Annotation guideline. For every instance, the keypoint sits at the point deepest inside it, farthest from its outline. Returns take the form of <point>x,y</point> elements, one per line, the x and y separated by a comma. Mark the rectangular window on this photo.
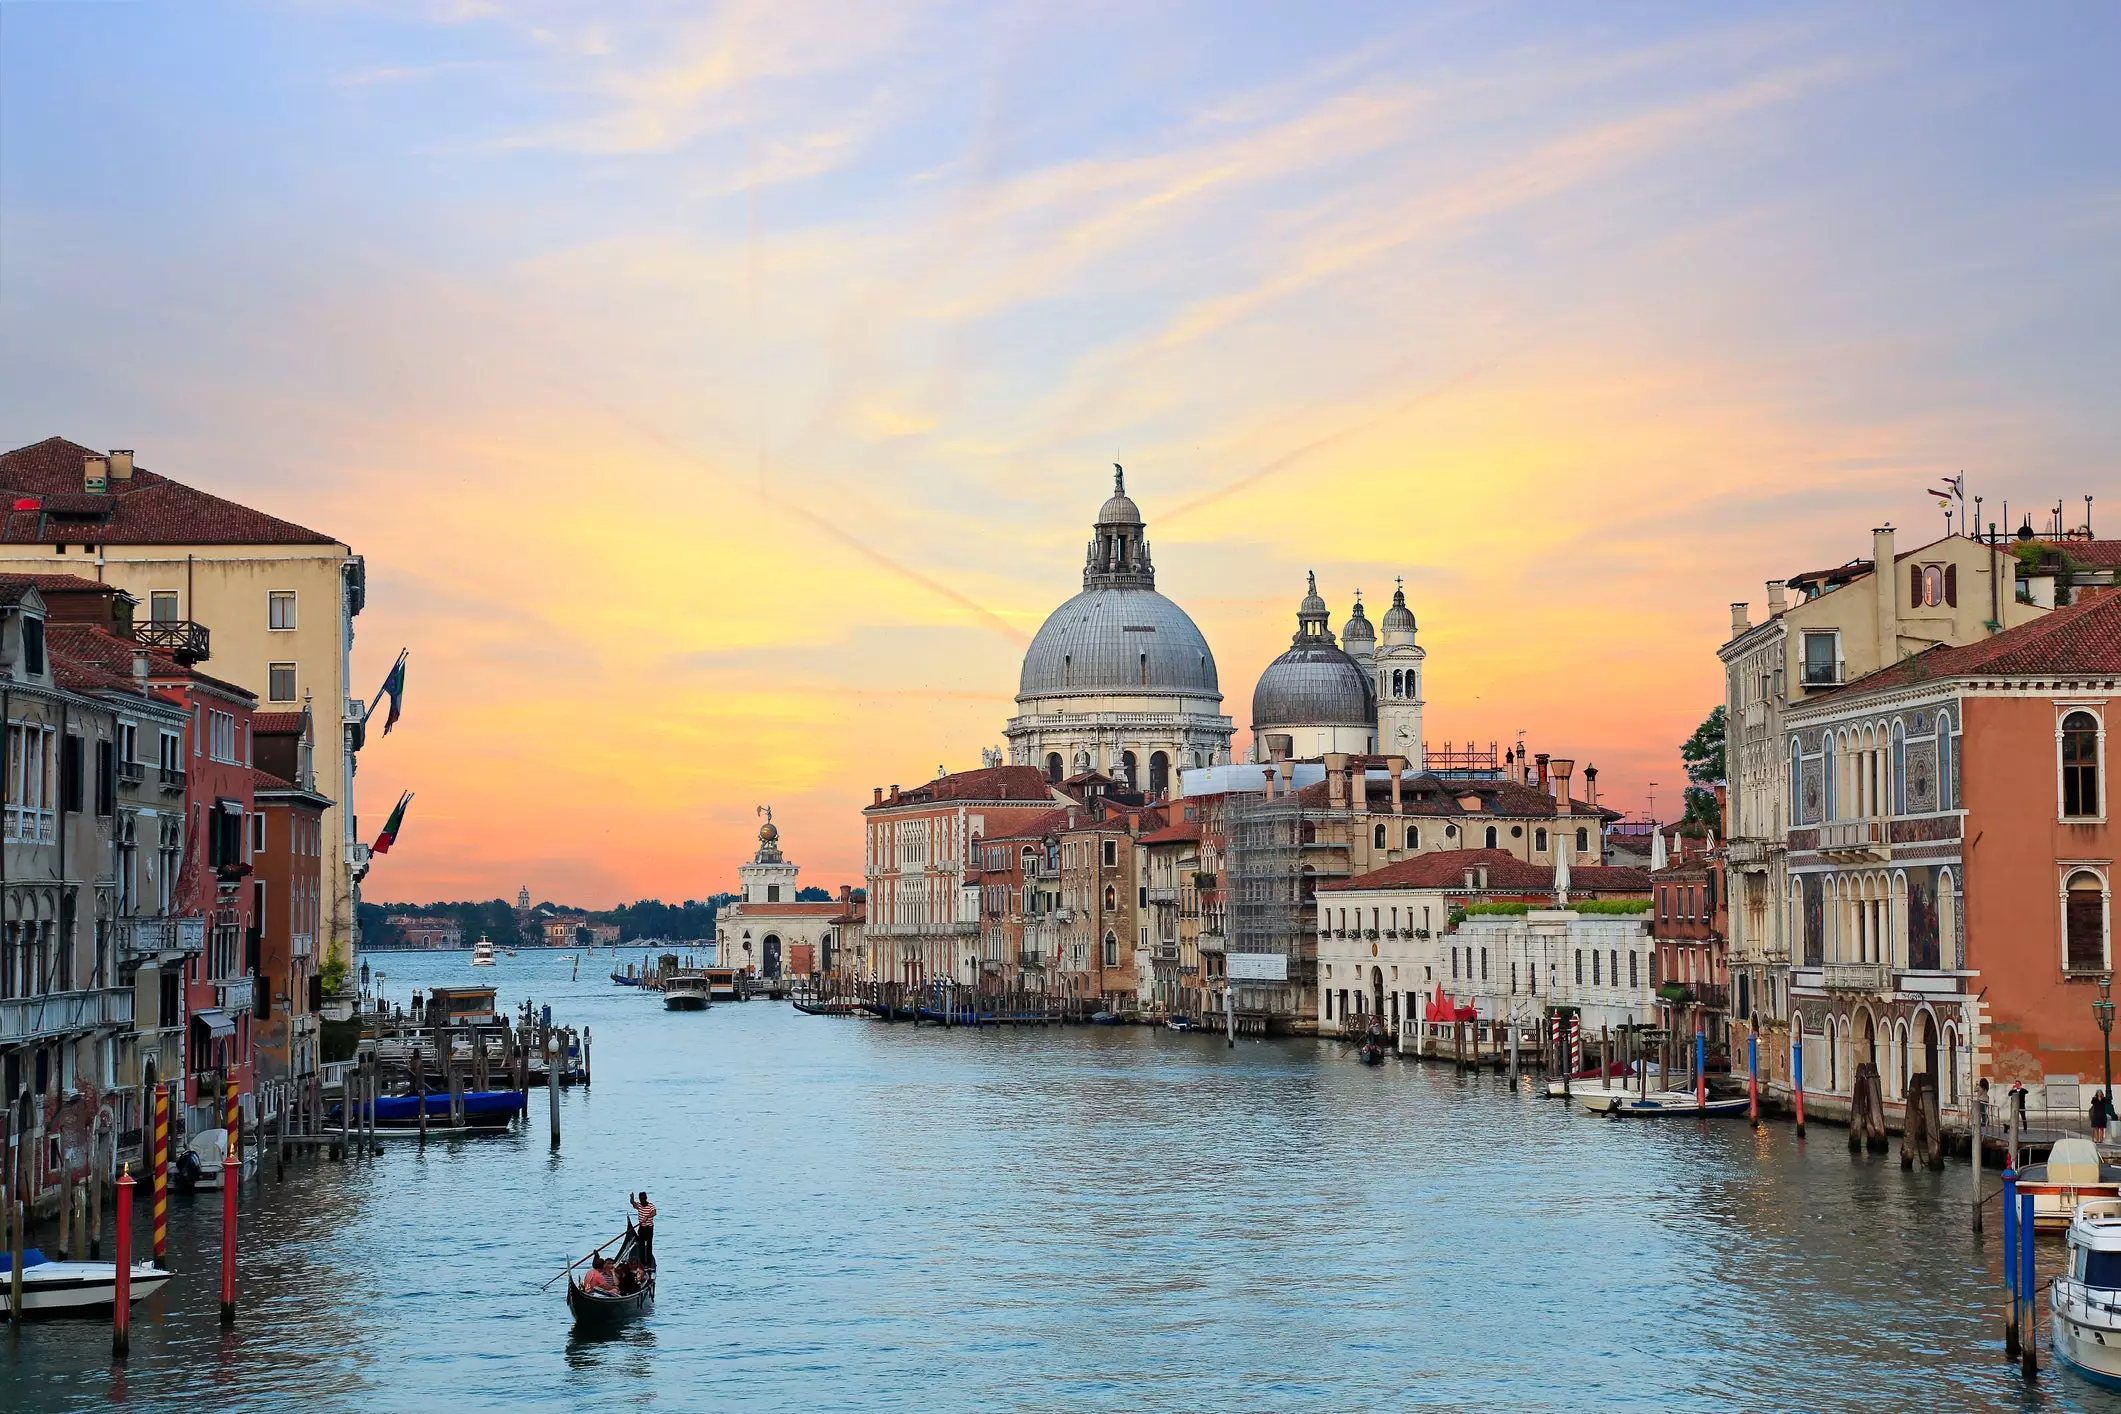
<point>1579,967</point>
<point>106,778</point>
<point>1822,659</point>
<point>280,610</point>
<point>70,773</point>
<point>162,606</point>
<point>280,682</point>
<point>1594,967</point>
<point>257,834</point>
<point>1111,853</point>
<point>33,646</point>
<point>1634,980</point>
<point>221,729</point>
<point>773,893</point>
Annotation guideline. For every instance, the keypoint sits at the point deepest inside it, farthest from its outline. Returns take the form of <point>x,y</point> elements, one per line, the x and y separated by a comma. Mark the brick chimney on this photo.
<point>1723,810</point>
<point>894,793</point>
<point>1590,786</point>
<point>1397,766</point>
<point>1540,763</point>
<point>877,795</point>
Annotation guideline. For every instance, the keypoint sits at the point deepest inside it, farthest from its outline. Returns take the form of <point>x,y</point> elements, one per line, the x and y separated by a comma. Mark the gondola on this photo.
<point>596,1311</point>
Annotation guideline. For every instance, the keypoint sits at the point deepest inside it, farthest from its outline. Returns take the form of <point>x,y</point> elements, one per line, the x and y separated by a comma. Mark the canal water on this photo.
<point>865,1217</point>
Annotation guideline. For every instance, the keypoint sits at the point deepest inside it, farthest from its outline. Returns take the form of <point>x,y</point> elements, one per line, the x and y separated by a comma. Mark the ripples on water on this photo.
<point>862,1217</point>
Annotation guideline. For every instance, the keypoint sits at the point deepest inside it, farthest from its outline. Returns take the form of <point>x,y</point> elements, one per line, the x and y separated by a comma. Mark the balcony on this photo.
<point>1164,895</point>
<point>235,994</point>
<point>1741,853</point>
<point>1853,976</point>
<point>173,779</point>
<point>29,825</point>
<point>1852,837</point>
<point>131,773</point>
<point>1825,674</point>
<point>142,938</point>
<point>24,1019</point>
<point>182,639</point>
<point>1031,959</point>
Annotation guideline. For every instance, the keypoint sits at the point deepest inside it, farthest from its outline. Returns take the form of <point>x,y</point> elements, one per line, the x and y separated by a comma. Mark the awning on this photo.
<point>216,1022</point>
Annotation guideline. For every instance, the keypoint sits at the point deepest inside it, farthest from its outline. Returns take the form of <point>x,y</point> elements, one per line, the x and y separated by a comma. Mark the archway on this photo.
<point>1159,773</point>
<point>1870,1040</point>
<point>1377,992</point>
<point>1928,1028</point>
<point>1129,771</point>
<point>1054,767</point>
<point>772,966</point>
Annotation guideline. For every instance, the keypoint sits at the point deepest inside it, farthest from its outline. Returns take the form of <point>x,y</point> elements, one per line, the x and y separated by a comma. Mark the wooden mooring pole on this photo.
<point>552,1084</point>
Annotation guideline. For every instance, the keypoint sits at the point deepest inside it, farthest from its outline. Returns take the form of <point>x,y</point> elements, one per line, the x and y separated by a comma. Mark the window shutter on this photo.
<point>1951,585</point>
<point>106,777</point>
<point>1914,586</point>
<point>70,763</point>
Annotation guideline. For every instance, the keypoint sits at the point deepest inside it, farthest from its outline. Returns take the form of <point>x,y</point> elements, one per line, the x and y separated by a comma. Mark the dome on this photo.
<point>1357,629</point>
<point>1399,617</point>
<point>1118,640</point>
<point>1313,685</point>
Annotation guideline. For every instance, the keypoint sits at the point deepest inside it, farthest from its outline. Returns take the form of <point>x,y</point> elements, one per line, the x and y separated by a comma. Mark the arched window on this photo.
<point>1491,837</point>
<point>1583,840</point>
<point>1899,769</point>
<point>1159,773</point>
<point>1398,679</point>
<point>1377,837</point>
<point>1944,761</point>
<point>1111,898</point>
<point>2080,766</point>
<point>1111,950</point>
<point>1539,840</point>
<point>1413,837</point>
<point>2084,922</point>
<point>1796,782</point>
<point>1932,586</point>
<point>1829,768</point>
<point>1130,769</point>
<point>1053,767</point>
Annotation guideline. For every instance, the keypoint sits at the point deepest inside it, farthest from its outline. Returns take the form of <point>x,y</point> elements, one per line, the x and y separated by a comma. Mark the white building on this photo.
<point>767,932</point>
<point>1119,679</point>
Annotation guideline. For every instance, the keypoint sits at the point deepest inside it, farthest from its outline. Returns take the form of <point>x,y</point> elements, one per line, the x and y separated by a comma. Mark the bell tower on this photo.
<point>1399,674</point>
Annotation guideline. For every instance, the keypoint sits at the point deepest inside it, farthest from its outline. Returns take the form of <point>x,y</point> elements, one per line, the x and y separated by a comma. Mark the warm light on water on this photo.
<point>862,1217</point>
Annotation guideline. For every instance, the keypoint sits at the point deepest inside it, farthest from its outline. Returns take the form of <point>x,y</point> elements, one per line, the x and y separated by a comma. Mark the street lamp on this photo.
<point>2103,1011</point>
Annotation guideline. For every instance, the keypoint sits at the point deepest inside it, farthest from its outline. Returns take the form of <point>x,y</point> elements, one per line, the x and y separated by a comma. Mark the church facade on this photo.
<point>1119,680</point>
<point>766,932</point>
<point>1359,696</point>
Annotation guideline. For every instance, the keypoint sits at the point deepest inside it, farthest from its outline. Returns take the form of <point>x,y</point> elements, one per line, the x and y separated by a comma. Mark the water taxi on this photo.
<point>2071,1174</point>
<point>2085,1301</point>
<point>482,954</point>
<point>78,1288</point>
<point>686,991</point>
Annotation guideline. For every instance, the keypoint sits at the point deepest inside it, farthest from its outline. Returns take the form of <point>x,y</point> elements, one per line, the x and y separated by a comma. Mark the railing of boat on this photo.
<point>2079,1302</point>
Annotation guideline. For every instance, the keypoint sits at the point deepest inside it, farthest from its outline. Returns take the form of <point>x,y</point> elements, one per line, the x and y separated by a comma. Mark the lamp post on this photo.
<point>2103,1011</point>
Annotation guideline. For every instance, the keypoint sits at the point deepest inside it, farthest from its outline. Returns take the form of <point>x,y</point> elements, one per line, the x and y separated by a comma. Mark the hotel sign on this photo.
<point>1258,966</point>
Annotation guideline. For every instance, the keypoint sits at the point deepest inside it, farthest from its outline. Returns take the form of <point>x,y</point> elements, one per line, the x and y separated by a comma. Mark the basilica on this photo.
<point>1120,681</point>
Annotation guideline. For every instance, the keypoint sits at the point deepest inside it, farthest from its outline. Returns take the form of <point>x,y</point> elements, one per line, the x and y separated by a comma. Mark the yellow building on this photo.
<point>270,603</point>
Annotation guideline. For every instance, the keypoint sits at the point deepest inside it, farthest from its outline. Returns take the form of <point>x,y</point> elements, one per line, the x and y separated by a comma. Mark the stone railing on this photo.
<point>1853,976</point>
<point>57,1013</point>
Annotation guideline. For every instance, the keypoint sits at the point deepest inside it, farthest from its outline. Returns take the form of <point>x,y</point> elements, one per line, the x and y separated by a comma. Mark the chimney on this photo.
<point>140,669</point>
<point>877,795</point>
<point>1590,786</point>
<point>95,475</point>
<point>1469,881</point>
<point>121,464</point>
<point>894,793</point>
<point>1776,602</point>
<point>1288,775</point>
<point>1738,620</point>
<point>1267,777</point>
<point>1564,771</point>
<point>1336,778</point>
<point>846,893</point>
<point>1397,765</point>
<point>1885,583</point>
<point>1540,761</point>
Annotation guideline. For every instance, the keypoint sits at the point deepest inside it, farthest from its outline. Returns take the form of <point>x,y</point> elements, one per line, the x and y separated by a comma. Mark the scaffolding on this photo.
<point>1268,910</point>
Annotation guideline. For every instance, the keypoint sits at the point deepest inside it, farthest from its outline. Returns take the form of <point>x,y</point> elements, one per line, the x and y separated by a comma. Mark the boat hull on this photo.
<point>684,1001</point>
<point>2093,1351</point>
<point>61,1289</point>
<point>482,1109</point>
<point>1664,1105</point>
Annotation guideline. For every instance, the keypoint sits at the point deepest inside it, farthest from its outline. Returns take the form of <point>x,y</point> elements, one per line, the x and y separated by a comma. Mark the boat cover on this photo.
<point>2073,1161</point>
<point>478,1104</point>
<point>31,1257</point>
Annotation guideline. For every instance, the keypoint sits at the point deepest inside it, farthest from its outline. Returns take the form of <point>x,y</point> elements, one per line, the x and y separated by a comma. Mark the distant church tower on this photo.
<point>768,878</point>
<point>523,898</point>
<point>1399,659</point>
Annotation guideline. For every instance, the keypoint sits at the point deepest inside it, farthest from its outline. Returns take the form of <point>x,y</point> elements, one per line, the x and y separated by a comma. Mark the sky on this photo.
<point>721,394</point>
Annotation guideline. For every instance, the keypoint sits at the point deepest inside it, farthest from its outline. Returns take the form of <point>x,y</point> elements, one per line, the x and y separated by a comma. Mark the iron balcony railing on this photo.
<point>131,773</point>
<point>173,779</point>
<point>182,639</point>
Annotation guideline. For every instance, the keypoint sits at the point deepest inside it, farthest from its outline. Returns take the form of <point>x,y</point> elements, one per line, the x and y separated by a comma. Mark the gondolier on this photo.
<point>644,1223</point>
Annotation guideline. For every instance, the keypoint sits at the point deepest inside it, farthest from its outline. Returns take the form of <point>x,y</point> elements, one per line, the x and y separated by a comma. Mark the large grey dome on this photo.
<point>1119,640</point>
<point>1314,684</point>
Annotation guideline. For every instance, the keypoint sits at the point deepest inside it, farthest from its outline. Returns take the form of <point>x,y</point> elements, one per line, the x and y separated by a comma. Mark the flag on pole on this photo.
<point>394,689</point>
<point>389,836</point>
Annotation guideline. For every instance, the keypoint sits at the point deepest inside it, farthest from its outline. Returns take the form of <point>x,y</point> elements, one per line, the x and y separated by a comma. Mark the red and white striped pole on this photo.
<point>121,1308</point>
<point>231,1172</point>
<point>158,1177</point>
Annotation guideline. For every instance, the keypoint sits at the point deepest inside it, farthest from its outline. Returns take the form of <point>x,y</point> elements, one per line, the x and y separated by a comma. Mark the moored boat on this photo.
<point>2071,1175</point>
<point>1658,1104</point>
<point>2084,1302</point>
<point>685,991</point>
<point>483,1110</point>
<point>78,1288</point>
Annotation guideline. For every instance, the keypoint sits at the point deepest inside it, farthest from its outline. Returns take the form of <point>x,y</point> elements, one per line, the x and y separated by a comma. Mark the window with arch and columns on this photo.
<point>2079,737</point>
<point>2085,919</point>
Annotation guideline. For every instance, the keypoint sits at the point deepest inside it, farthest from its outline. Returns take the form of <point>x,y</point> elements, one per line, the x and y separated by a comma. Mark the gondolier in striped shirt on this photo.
<point>644,1223</point>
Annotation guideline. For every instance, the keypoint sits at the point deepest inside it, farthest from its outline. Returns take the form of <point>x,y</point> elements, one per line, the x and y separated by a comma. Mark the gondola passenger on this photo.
<point>598,1281</point>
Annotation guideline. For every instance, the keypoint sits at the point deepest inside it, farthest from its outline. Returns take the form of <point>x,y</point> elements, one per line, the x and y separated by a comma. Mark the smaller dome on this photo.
<point>1399,616</point>
<point>1120,509</point>
<point>1357,629</point>
<point>1312,606</point>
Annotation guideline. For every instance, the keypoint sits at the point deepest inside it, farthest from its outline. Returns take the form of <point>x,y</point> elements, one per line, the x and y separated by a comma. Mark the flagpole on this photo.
<point>386,684</point>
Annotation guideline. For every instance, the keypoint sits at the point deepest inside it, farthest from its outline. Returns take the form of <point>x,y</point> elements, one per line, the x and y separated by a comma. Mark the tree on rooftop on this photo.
<point>1703,753</point>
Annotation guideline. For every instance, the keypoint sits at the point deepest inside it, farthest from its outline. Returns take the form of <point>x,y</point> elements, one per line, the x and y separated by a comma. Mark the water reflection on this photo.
<point>862,1217</point>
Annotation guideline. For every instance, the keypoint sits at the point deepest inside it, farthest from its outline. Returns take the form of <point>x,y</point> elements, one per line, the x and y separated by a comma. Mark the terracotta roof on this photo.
<point>277,723</point>
<point>266,780</point>
<point>1036,827</point>
<point>2101,554</point>
<point>1002,783</point>
<point>146,510</point>
<point>1436,795</point>
<point>1446,869</point>
<point>2082,638</point>
<point>1173,834</point>
<point>86,658</point>
<point>61,583</point>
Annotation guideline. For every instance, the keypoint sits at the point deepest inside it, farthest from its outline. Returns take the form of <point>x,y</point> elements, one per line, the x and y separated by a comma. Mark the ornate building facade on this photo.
<point>1119,680</point>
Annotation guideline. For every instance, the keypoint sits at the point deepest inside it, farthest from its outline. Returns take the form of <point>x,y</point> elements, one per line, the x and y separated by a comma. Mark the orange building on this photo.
<point>1952,857</point>
<point>288,889</point>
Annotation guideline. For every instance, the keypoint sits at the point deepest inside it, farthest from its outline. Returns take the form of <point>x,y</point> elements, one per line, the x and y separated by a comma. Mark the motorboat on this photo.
<point>78,1288</point>
<point>2084,1302</point>
<point>1106,1018</point>
<point>482,954</point>
<point>593,1310</point>
<point>1179,1023</point>
<point>2071,1174</point>
<point>198,1166</point>
<point>686,991</point>
<point>1658,1104</point>
<point>623,980</point>
<point>484,1111</point>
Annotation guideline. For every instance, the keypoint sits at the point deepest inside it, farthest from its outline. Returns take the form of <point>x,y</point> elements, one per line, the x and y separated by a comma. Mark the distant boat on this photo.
<point>78,1288</point>
<point>1105,1018</point>
<point>624,981</point>
<point>482,954</point>
<point>2072,1174</point>
<point>1658,1104</point>
<point>483,1109</point>
<point>1180,1023</point>
<point>686,991</point>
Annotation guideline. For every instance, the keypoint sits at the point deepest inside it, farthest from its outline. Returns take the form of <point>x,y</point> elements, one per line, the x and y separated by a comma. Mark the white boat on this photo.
<point>482,954</point>
<point>2085,1301</point>
<point>78,1288</point>
<point>2071,1175</point>
<point>198,1167</point>
<point>1658,1104</point>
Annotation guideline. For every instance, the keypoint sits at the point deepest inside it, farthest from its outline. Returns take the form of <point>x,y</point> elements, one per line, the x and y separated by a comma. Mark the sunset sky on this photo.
<point>720,395</point>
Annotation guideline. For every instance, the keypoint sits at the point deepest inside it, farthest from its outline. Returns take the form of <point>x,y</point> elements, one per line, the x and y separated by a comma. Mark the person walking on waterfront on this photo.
<point>644,1223</point>
<point>2102,1114</point>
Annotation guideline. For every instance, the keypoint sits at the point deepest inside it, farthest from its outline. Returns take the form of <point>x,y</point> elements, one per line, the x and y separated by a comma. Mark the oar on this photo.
<point>579,1260</point>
